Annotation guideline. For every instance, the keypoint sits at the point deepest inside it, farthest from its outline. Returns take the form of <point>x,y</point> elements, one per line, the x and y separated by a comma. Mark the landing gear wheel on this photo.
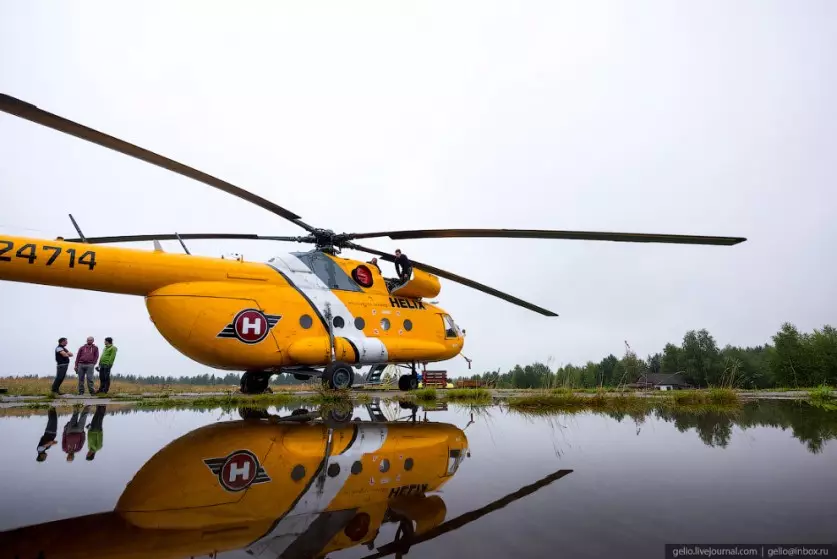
<point>338,375</point>
<point>407,382</point>
<point>337,418</point>
<point>255,382</point>
<point>340,416</point>
<point>253,413</point>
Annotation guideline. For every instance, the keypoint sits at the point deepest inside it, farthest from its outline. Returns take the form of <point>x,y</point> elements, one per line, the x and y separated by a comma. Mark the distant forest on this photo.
<point>793,359</point>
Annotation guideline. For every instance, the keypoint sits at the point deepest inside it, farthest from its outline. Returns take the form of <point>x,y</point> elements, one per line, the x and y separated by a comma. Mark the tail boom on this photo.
<point>115,270</point>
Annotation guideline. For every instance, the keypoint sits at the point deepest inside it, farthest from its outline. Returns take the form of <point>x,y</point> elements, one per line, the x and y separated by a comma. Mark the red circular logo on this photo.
<point>239,470</point>
<point>363,276</point>
<point>250,326</point>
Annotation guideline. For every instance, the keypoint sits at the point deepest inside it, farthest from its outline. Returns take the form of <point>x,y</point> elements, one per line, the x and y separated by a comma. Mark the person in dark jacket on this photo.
<point>403,267</point>
<point>49,434</point>
<point>62,363</point>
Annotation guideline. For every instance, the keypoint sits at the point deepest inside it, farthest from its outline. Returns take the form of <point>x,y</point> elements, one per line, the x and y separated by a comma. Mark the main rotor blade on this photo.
<point>466,518</point>
<point>184,236</point>
<point>550,234</point>
<point>32,113</point>
<point>458,279</point>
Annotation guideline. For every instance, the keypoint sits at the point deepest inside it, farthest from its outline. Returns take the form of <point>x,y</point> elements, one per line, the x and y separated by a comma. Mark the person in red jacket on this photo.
<point>72,440</point>
<point>86,358</point>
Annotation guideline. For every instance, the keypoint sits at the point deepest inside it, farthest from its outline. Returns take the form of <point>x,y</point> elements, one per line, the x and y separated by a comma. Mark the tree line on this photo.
<point>812,425</point>
<point>793,359</point>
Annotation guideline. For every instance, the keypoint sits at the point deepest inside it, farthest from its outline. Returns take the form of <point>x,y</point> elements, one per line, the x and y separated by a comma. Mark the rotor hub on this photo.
<point>326,239</point>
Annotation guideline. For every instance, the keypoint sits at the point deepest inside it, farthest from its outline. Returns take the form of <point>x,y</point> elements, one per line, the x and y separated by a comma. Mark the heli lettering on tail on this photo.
<point>250,326</point>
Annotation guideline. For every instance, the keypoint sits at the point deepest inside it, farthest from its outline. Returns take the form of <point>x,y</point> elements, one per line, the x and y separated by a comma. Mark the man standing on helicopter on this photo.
<point>403,266</point>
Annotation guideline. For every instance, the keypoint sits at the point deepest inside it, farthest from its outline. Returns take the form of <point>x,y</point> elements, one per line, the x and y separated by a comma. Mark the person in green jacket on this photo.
<point>105,365</point>
<point>95,433</point>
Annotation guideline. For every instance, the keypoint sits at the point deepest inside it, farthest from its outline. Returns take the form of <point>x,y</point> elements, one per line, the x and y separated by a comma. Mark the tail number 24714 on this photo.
<point>30,253</point>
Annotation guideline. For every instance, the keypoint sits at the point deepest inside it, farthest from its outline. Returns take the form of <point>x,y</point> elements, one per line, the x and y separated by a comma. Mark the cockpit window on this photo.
<point>332,275</point>
<point>451,329</point>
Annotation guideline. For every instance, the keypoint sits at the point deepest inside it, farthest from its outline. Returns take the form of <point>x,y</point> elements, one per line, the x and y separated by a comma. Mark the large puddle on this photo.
<point>389,480</point>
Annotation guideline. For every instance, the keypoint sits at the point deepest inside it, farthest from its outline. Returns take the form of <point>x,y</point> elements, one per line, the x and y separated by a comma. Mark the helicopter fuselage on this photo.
<point>295,310</point>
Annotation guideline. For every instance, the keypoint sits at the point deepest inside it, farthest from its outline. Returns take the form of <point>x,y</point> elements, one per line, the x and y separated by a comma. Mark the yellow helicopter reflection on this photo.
<point>304,485</point>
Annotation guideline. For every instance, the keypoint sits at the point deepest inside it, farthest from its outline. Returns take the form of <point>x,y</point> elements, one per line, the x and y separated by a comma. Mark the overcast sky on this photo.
<point>713,118</point>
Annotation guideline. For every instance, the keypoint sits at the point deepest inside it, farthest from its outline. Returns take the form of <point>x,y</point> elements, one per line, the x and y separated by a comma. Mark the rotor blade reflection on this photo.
<point>466,518</point>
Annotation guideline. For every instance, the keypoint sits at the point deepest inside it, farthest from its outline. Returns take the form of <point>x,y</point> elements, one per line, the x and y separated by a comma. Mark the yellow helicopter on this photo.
<point>292,487</point>
<point>310,314</point>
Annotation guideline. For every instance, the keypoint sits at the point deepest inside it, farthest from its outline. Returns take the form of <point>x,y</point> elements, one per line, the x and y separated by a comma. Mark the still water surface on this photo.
<point>455,482</point>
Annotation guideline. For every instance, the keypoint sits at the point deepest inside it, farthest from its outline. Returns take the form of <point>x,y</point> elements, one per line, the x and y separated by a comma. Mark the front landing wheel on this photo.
<point>407,382</point>
<point>255,382</point>
<point>338,375</point>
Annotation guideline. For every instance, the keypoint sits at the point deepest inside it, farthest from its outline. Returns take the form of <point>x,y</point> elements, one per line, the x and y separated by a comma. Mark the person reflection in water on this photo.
<point>95,433</point>
<point>49,435</point>
<point>73,438</point>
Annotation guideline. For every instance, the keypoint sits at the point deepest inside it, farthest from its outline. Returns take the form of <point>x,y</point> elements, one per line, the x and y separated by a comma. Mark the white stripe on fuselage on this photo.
<point>319,494</point>
<point>371,350</point>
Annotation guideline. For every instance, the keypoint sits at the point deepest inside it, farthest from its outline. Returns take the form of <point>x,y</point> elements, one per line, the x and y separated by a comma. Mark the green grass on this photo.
<point>713,396</point>
<point>468,395</point>
<point>38,406</point>
<point>425,394</point>
<point>722,396</point>
<point>323,395</point>
<point>205,402</point>
<point>822,393</point>
<point>623,402</point>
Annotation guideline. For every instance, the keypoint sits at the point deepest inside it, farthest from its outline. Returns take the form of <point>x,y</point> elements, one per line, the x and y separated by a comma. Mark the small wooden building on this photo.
<point>661,381</point>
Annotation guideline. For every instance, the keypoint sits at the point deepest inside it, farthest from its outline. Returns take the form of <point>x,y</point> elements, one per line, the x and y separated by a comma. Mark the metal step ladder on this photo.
<point>375,412</point>
<point>374,376</point>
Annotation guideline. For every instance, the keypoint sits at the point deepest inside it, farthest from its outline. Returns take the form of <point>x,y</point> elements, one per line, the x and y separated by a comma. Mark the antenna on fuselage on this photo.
<point>182,243</point>
<point>80,234</point>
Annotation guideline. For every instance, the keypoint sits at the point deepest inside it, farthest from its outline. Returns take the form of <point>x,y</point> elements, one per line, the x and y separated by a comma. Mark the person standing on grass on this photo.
<point>105,365</point>
<point>62,363</point>
<point>86,359</point>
